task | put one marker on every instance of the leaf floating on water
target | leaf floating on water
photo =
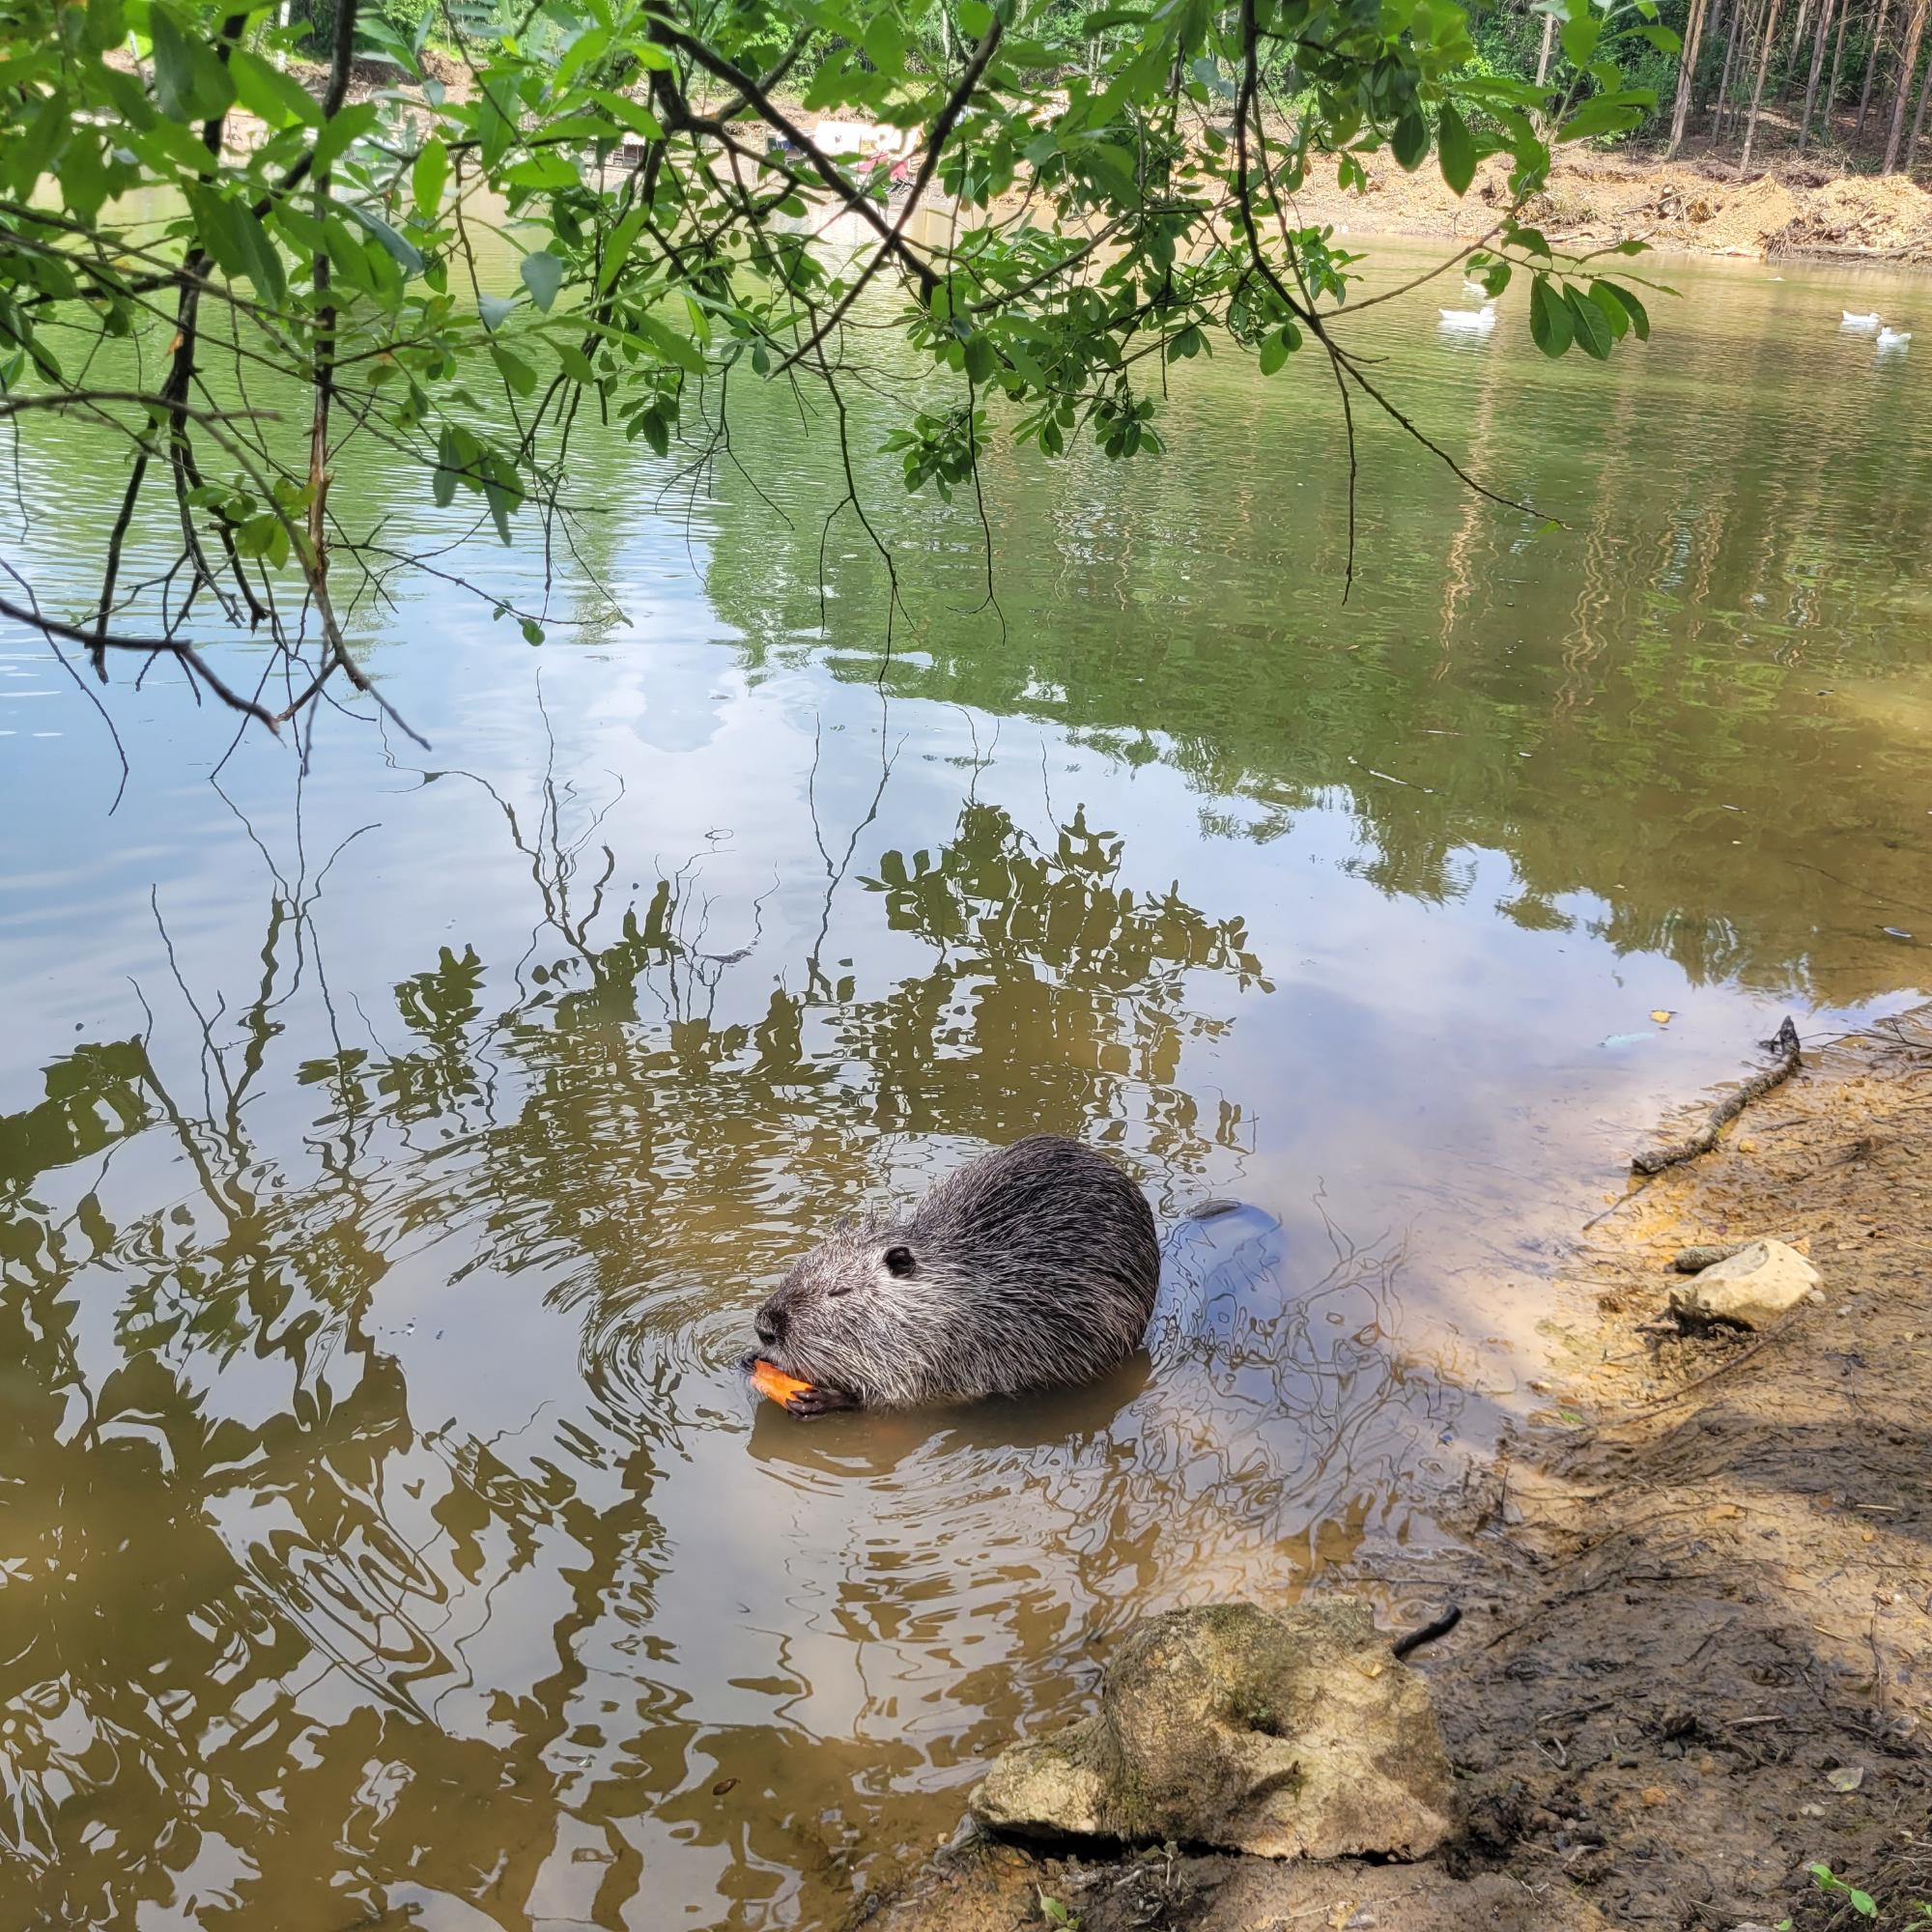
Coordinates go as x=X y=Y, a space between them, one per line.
x=724 y=1785
x=1894 y=932
x=1662 y=1015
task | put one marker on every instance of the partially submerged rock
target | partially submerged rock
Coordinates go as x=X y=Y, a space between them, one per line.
x=1750 y=1289
x=1291 y=1736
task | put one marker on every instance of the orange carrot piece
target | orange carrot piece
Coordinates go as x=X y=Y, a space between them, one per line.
x=774 y=1385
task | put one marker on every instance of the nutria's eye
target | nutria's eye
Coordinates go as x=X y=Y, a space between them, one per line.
x=899 y=1262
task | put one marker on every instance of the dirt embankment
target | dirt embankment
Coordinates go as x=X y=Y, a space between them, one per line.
x=1794 y=207
x=1696 y=1656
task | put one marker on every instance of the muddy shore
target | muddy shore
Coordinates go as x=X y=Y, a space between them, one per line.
x=1696 y=1655
x=1805 y=206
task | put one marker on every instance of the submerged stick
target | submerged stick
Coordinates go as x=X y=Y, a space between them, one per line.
x=1654 y=1160
x=1428 y=1633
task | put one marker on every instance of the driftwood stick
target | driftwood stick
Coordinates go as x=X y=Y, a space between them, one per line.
x=1654 y=1160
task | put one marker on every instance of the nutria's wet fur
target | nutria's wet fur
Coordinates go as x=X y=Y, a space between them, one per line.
x=1032 y=1267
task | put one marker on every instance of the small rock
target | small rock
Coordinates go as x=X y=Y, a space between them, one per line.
x=1291 y=1736
x=1749 y=1289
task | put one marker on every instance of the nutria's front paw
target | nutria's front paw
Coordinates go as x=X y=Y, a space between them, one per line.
x=808 y=1403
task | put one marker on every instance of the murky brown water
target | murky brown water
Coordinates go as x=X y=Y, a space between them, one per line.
x=392 y=1156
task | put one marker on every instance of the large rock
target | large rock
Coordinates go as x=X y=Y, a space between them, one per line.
x=1751 y=1288
x=1292 y=1736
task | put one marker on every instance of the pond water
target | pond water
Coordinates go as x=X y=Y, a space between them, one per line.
x=394 y=1145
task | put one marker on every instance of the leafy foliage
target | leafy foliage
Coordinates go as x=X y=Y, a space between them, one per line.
x=1122 y=181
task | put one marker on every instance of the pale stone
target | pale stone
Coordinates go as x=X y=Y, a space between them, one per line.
x=1291 y=1736
x=1751 y=1288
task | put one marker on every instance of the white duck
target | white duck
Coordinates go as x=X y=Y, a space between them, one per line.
x=1477 y=321
x=1893 y=338
x=1866 y=323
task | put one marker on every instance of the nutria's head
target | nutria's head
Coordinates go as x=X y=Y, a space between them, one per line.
x=861 y=1315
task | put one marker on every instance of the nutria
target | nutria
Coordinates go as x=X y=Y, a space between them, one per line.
x=1032 y=1267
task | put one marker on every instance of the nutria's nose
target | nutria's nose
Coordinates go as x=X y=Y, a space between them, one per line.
x=770 y=1323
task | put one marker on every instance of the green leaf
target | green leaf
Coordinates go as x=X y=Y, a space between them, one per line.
x=442 y=484
x=1605 y=114
x=405 y=252
x=884 y=43
x=533 y=632
x=678 y=348
x=629 y=113
x=576 y=364
x=585 y=48
x=1580 y=33
x=429 y=176
x=106 y=24
x=543 y=276
x=40 y=146
x=974 y=17
x=1409 y=142
x=1591 y=325
x=546 y=170
x=1660 y=37
x=619 y=248
x=1550 y=327
x=518 y=374
x=266 y=90
x=263 y=263
x=1639 y=316
x=1456 y=148
x=190 y=82
x=983 y=360
x=1615 y=314
x=342 y=129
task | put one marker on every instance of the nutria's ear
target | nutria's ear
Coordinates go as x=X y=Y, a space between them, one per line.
x=900 y=1261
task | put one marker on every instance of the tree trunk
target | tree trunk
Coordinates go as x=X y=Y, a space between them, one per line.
x=1908 y=68
x=1817 y=68
x=1871 y=67
x=1757 y=92
x=1837 y=62
x=1743 y=29
x=1790 y=73
x=1918 y=119
x=1687 y=73
x=1723 y=95
x=1548 y=38
x=1715 y=23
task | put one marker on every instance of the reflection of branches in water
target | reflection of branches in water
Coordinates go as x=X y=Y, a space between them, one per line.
x=815 y=982
x=332 y=1566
